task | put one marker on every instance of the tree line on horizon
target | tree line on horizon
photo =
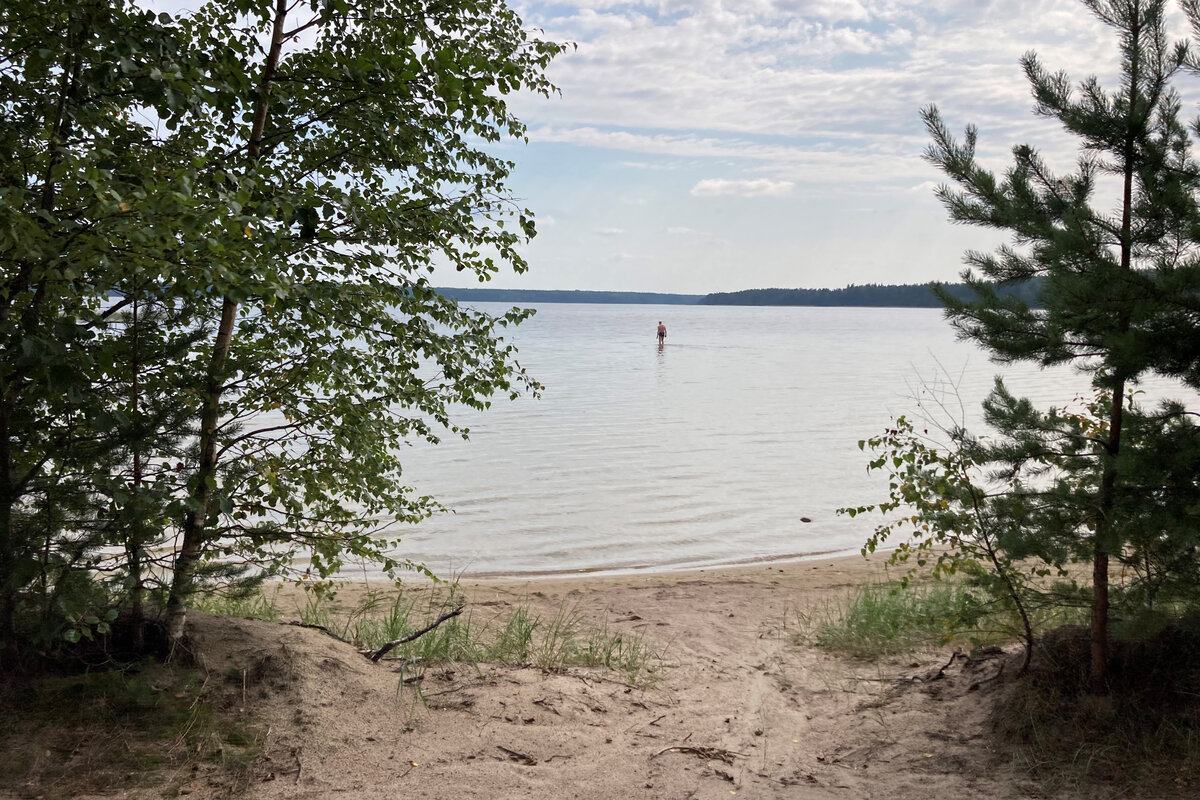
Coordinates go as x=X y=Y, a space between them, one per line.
x=879 y=295
x=490 y=295
x=909 y=295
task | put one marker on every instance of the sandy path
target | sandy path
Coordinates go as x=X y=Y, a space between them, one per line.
x=741 y=708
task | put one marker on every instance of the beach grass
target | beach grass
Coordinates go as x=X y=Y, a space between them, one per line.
x=558 y=638
x=258 y=604
x=886 y=618
x=878 y=619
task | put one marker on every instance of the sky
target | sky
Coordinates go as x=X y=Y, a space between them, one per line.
x=718 y=145
x=699 y=146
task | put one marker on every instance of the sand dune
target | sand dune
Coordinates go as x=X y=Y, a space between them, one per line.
x=740 y=707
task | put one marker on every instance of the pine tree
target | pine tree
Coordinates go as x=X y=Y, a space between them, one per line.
x=1117 y=298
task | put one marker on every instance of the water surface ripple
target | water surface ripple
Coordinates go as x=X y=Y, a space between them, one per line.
x=708 y=451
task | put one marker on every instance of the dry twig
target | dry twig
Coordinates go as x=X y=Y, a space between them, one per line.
x=381 y=652
x=513 y=755
x=320 y=628
x=717 y=753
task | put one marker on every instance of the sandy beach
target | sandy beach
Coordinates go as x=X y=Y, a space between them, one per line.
x=741 y=704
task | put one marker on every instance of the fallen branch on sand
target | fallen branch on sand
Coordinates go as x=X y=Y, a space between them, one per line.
x=941 y=673
x=321 y=628
x=381 y=652
x=703 y=752
x=513 y=755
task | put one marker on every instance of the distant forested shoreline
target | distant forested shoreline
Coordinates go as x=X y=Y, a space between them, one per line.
x=907 y=295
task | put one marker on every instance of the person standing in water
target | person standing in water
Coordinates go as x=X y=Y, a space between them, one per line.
x=662 y=333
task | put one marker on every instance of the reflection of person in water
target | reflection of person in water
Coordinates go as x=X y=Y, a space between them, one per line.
x=662 y=332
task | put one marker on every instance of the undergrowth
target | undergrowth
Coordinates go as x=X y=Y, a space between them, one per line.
x=258 y=604
x=1142 y=739
x=105 y=731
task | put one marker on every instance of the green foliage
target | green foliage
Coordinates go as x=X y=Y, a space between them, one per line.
x=354 y=168
x=77 y=162
x=216 y=326
x=938 y=501
x=987 y=512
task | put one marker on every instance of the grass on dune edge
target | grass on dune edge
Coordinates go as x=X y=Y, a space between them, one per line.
x=516 y=636
x=122 y=723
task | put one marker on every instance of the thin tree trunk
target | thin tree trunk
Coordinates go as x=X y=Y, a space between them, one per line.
x=1108 y=480
x=195 y=522
x=1005 y=574
x=137 y=533
x=1100 y=557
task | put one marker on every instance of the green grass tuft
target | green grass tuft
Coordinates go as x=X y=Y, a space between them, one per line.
x=522 y=637
x=254 y=605
x=881 y=619
x=519 y=637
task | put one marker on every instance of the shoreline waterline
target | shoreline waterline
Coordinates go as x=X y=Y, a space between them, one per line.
x=371 y=578
x=652 y=569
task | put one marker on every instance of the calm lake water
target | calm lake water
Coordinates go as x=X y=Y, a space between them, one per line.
x=707 y=452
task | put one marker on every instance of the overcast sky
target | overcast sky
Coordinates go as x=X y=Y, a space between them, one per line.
x=701 y=145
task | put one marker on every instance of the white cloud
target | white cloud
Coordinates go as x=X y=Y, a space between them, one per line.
x=761 y=187
x=804 y=67
x=856 y=157
x=611 y=231
x=646 y=165
x=813 y=103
